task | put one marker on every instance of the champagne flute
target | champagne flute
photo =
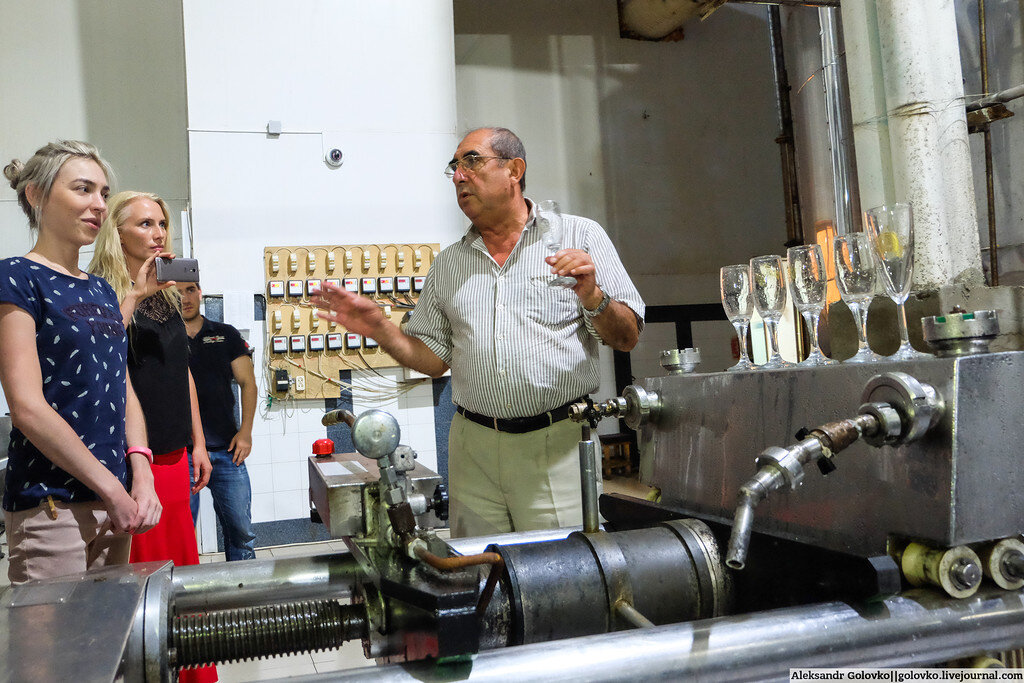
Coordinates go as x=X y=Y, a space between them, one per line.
x=735 y=285
x=552 y=228
x=807 y=281
x=769 y=285
x=891 y=228
x=855 y=274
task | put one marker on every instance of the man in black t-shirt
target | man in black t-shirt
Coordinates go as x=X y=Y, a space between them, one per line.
x=218 y=356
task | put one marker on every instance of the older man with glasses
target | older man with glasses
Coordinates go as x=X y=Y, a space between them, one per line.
x=520 y=350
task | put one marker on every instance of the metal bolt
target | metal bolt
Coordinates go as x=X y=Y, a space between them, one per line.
x=394 y=496
x=965 y=574
x=1012 y=565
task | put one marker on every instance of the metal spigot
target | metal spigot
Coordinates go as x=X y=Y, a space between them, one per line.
x=896 y=409
x=781 y=467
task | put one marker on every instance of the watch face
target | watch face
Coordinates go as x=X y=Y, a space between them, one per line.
x=600 y=307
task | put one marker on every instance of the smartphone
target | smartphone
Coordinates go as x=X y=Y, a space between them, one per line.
x=178 y=270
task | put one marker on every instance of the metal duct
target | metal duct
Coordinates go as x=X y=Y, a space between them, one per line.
x=912 y=629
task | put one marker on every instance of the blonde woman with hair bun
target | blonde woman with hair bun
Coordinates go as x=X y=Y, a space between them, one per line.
x=77 y=425
x=136 y=231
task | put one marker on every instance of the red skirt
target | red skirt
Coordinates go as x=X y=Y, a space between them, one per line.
x=174 y=537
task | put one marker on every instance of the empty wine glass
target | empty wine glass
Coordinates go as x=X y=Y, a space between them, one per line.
x=768 y=281
x=738 y=305
x=807 y=281
x=891 y=229
x=552 y=227
x=855 y=274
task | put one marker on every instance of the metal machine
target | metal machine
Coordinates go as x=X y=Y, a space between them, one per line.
x=901 y=546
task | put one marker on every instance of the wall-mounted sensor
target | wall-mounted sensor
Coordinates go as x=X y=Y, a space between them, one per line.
x=334 y=157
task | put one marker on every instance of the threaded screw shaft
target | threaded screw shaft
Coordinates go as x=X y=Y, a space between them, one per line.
x=254 y=632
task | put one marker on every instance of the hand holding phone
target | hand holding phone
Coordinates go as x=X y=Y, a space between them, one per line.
x=177 y=270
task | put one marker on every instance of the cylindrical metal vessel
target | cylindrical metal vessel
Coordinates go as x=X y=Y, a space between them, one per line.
x=566 y=588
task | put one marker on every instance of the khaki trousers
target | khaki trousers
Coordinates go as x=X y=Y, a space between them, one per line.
x=513 y=482
x=78 y=540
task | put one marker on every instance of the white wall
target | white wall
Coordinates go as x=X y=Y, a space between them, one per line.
x=111 y=73
x=375 y=80
x=108 y=72
x=670 y=146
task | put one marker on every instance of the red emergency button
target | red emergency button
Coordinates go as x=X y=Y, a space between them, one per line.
x=323 y=447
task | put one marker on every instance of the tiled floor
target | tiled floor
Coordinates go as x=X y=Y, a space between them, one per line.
x=348 y=656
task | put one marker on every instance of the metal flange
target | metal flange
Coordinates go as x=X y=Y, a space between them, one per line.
x=919 y=405
x=680 y=361
x=641 y=406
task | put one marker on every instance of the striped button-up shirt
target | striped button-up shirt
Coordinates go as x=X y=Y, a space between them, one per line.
x=516 y=346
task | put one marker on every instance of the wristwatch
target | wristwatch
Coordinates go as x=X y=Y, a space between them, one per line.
x=600 y=307
x=144 y=451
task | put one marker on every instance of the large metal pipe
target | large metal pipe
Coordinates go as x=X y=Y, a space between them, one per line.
x=840 y=130
x=990 y=192
x=787 y=145
x=226 y=585
x=913 y=629
x=903 y=59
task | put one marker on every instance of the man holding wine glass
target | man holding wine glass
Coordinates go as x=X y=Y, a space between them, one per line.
x=519 y=326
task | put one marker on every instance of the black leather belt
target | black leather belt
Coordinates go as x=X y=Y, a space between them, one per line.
x=518 y=425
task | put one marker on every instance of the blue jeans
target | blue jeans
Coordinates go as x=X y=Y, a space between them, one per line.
x=232 y=500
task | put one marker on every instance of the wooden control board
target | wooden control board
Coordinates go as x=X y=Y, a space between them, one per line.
x=313 y=351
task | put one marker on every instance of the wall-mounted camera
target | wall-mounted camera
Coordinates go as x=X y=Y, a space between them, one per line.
x=334 y=157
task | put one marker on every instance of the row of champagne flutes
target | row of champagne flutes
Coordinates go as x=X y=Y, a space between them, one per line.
x=885 y=249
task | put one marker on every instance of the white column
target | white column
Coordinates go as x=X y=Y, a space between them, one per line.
x=910 y=130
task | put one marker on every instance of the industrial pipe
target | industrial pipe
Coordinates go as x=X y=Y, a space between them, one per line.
x=913 y=629
x=588 y=484
x=840 y=131
x=1001 y=97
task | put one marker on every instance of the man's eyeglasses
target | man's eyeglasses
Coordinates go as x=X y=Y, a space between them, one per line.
x=471 y=163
